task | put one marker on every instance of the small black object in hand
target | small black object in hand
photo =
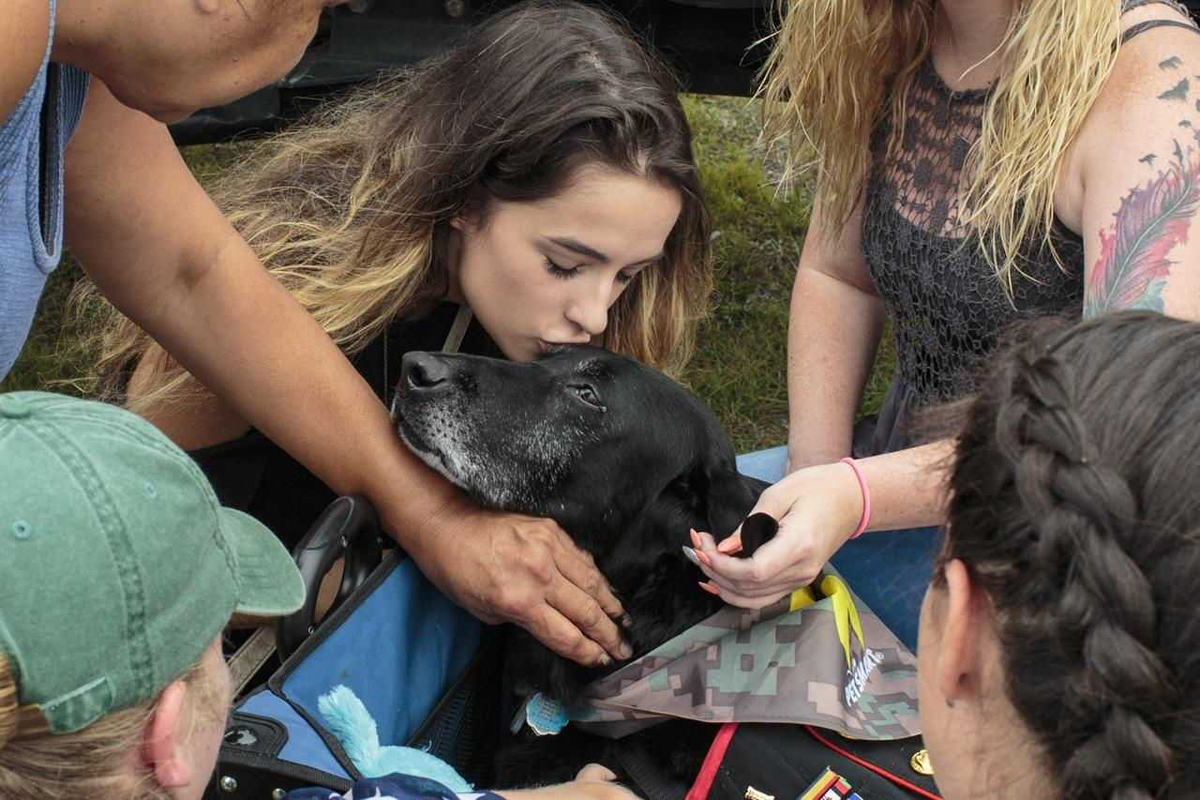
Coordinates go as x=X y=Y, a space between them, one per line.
x=757 y=530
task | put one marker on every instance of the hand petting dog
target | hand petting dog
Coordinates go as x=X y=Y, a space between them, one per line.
x=505 y=567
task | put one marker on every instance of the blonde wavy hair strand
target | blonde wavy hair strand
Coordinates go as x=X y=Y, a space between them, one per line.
x=834 y=61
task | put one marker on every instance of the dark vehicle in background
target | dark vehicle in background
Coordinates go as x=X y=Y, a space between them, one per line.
x=715 y=45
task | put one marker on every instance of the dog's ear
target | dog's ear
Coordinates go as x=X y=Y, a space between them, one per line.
x=726 y=496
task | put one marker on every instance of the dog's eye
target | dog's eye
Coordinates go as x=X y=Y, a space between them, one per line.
x=588 y=395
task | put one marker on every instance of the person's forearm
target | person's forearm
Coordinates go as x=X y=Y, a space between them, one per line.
x=908 y=487
x=833 y=331
x=240 y=333
x=162 y=252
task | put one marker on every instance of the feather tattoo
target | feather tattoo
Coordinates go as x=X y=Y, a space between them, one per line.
x=1169 y=63
x=1133 y=266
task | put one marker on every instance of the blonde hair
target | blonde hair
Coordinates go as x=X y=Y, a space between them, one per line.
x=38 y=765
x=835 y=61
x=351 y=211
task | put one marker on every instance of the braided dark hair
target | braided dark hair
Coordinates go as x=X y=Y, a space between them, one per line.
x=1075 y=504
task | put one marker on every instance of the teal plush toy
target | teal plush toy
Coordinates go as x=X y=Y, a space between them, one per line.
x=348 y=719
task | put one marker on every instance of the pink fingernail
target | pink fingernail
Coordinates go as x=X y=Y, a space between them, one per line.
x=704 y=558
x=729 y=546
x=695 y=538
x=708 y=587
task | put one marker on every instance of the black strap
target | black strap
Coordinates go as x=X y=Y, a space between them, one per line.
x=1130 y=5
x=1134 y=30
x=1142 y=27
x=647 y=776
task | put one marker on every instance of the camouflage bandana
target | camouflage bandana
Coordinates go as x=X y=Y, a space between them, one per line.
x=819 y=657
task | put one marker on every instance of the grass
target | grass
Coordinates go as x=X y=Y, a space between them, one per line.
x=739 y=367
x=740 y=364
x=740 y=359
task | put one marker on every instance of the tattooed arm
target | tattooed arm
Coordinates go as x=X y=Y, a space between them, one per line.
x=1140 y=173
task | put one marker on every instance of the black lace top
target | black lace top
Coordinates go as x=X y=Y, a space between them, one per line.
x=946 y=304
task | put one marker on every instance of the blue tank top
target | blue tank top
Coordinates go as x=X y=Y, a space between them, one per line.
x=32 y=141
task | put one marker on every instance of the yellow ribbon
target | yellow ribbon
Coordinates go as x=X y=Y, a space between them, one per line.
x=802 y=597
x=845 y=614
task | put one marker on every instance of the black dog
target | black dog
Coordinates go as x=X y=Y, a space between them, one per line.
x=626 y=461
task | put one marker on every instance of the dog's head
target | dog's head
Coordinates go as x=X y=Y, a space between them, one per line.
x=586 y=437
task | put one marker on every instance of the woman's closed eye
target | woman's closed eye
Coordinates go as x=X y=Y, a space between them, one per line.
x=566 y=273
x=561 y=272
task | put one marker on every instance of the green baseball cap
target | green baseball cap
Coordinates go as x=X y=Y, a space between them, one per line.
x=118 y=566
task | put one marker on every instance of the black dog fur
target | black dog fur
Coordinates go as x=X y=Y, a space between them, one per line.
x=626 y=461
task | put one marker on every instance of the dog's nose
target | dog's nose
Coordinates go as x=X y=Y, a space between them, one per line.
x=423 y=370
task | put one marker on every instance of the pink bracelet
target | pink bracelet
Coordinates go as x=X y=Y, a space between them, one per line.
x=866 y=497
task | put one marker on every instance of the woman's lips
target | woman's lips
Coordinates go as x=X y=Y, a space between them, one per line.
x=552 y=347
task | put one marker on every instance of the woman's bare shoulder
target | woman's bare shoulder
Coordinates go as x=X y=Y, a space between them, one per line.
x=1151 y=98
x=1156 y=61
